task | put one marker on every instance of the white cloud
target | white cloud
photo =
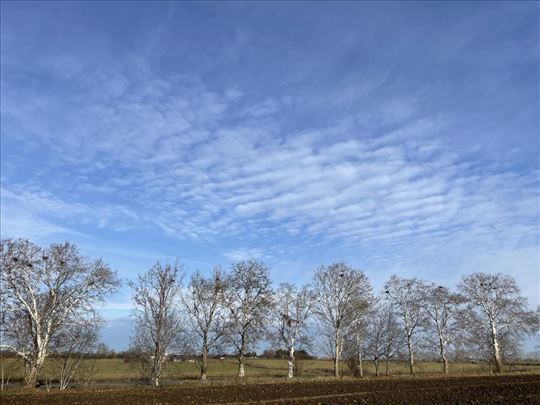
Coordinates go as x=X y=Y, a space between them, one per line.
x=240 y=254
x=266 y=107
x=27 y=225
x=31 y=212
x=233 y=94
x=192 y=163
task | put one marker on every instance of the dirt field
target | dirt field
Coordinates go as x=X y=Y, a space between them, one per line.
x=514 y=389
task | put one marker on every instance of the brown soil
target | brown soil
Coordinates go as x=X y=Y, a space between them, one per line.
x=514 y=389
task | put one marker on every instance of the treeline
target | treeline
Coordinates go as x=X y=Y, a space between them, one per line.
x=50 y=299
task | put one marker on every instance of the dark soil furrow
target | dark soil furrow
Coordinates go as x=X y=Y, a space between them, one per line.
x=473 y=390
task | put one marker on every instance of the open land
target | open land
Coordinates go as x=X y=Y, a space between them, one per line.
x=116 y=382
x=505 y=389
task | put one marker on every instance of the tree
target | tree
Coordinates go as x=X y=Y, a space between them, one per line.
x=72 y=345
x=354 y=345
x=43 y=291
x=375 y=343
x=384 y=336
x=159 y=325
x=204 y=301
x=103 y=351
x=248 y=301
x=441 y=307
x=392 y=338
x=496 y=314
x=343 y=295
x=406 y=297
x=293 y=307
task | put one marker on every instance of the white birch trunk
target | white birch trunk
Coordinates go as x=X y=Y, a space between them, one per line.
x=337 y=354
x=360 y=367
x=411 y=354
x=496 y=347
x=241 y=370
x=290 y=363
x=443 y=354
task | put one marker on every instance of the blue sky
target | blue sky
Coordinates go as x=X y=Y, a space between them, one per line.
x=398 y=137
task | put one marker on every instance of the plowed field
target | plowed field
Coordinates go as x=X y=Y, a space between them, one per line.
x=523 y=389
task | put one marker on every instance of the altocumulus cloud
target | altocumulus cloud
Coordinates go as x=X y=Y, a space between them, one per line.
x=200 y=164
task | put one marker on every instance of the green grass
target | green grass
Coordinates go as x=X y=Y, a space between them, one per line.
x=116 y=370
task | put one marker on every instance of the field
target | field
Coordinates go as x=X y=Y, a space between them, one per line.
x=118 y=371
x=515 y=389
x=115 y=381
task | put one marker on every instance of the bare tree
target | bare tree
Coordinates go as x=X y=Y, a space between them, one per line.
x=72 y=345
x=384 y=335
x=441 y=308
x=354 y=345
x=376 y=334
x=496 y=313
x=159 y=325
x=43 y=290
x=204 y=301
x=343 y=295
x=294 y=307
x=393 y=338
x=248 y=300
x=406 y=297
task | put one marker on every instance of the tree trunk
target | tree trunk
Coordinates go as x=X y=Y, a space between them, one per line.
x=157 y=375
x=156 y=366
x=290 y=363
x=411 y=355
x=387 y=369
x=241 y=371
x=204 y=361
x=336 y=356
x=443 y=355
x=376 y=362
x=360 y=368
x=64 y=373
x=30 y=379
x=496 y=348
x=156 y=372
x=336 y=367
x=34 y=368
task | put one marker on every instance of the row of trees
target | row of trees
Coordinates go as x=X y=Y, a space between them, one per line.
x=49 y=298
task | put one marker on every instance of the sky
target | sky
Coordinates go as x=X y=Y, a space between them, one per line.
x=397 y=137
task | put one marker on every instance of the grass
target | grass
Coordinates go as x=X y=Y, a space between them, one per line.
x=116 y=370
